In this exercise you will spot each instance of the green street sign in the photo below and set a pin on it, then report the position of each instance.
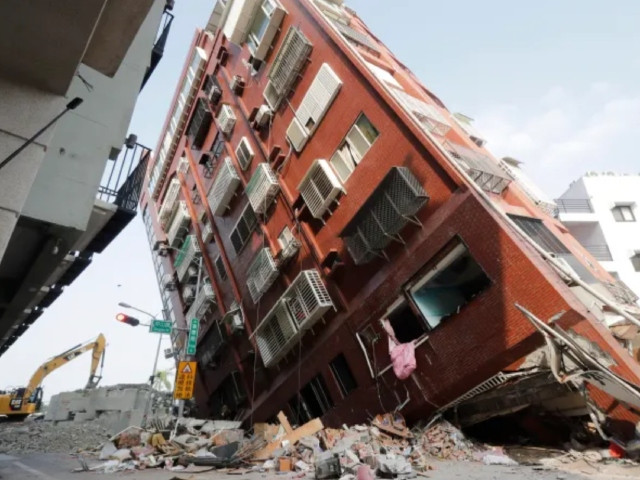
(160, 326)
(192, 341)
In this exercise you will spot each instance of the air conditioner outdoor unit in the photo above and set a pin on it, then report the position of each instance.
(226, 119)
(263, 116)
(237, 85)
(169, 283)
(215, 94)
(319, 188)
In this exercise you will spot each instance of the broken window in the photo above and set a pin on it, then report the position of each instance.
(355, 145)
(448, 286)
(342, 373)
(540, 234)
(406, 325)
(312, 401)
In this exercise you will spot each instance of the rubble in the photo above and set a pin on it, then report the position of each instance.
(385, 448)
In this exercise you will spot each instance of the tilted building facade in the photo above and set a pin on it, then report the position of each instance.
(307, 186)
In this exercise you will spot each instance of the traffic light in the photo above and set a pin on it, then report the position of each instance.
(128, 319)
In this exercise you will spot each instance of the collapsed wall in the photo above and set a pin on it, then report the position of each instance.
(114, 407)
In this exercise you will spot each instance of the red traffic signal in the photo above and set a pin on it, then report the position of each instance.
(128, 319)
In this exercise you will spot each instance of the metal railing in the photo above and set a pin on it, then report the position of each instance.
(600, 252)
(123, 177)
(574, 205)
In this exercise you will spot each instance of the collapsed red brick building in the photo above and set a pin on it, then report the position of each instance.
(307, 186)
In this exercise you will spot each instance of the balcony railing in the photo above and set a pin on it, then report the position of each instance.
(123, 177)
(600, 252)
(574, 205)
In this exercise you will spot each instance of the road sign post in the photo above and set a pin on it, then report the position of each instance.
(160, 326)
(192, 341)
(185, 380)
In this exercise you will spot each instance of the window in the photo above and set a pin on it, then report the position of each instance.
(313, 401)
(222, 272)
(200, 124)
(353, 147)
(289, 60)
(243, 229)
(406, 325)
(244, 153)
(635, 261)
(384, 75)
(449, 285)
(342, 373)
(260, 24)
(540, 234)
(623, 213)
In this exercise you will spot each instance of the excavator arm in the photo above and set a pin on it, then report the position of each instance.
(98, 347)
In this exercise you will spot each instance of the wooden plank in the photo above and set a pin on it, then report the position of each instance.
(309, 428)
(284, 421)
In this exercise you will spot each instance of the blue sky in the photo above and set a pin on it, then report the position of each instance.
(555, 84)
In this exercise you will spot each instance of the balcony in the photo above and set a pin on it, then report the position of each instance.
(300, 307)
(392, 205)
(600, 252)
(576, 210)
(121, 187)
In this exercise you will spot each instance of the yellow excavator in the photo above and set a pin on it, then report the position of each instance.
(20, 402)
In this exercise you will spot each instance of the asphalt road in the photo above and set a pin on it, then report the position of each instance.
(50, 466)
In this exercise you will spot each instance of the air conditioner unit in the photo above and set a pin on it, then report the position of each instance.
(319, 188)
(226, 119)
(263, 116)
(168, 282)
(297, 135)
(262, 188)
(215, 94)
(237, 85)
(188, 294)
(207, 234)
(223, 187)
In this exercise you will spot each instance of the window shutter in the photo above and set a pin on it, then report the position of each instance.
(319, 97)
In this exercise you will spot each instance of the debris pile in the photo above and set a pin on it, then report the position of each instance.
(40, 436)
(385, 447)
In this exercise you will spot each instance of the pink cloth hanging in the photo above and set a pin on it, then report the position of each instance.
(403, 355)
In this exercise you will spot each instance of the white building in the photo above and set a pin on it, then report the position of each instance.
(67, 193)
(602, 212)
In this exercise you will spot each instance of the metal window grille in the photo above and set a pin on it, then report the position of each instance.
(393, 204)
(262, 188)
(223, 187)
(427, 115)
(170, 203)
(540, 234)
(212, 344)
(482, 169)
(244, 153)
(189, 252)
(200, 124)
(243, 229)
(300, 307)
(222, 272)
(319, 188)
(261, 274)
(289, 60)
(179, 226)
(574, 205)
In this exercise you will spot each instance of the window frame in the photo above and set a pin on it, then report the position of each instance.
(345, 390)
(352, 148)
(440, 262)
(251, 228)
(619, 215)
(244, 141)
(253, 42)
(220, 269)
